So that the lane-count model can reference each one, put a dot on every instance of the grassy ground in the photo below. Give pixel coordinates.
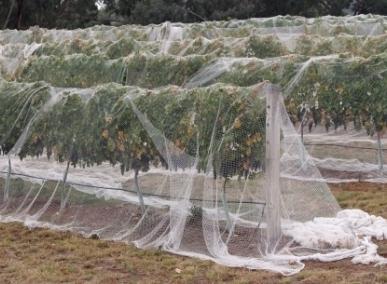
(43, 256)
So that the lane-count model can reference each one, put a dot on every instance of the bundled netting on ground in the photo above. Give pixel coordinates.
(204, 139)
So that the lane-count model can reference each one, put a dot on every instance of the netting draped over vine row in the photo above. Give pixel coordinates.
(182, 137)
(332, 71)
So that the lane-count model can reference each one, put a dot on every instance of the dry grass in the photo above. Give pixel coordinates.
(43, 256)
(370, 197)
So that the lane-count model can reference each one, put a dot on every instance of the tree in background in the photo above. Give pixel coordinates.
(22, 14)
(71, 14)
(369, 6)
(222, 9)
(315, 8)
(157, 11)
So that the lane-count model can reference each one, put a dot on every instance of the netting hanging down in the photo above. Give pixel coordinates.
(96, 140)
(216, 172)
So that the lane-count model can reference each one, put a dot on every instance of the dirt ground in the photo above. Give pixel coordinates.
(44, 256)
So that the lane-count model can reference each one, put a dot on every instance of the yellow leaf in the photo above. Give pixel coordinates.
(237, 123)
(108, 119)
(105, 134)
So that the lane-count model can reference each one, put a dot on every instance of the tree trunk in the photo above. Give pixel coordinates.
(64, 196)
(9, 14)
(19, 13)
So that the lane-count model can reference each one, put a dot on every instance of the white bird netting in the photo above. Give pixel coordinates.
(182, 137)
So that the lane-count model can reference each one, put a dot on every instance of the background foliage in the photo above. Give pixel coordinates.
(71, 14)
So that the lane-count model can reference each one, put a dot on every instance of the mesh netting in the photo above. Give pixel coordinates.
(205, 140)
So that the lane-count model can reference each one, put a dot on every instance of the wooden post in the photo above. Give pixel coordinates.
(7, 181)
(225, 206)
(380, 151)
(302, 139)
(302, 128)
(272, 173)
